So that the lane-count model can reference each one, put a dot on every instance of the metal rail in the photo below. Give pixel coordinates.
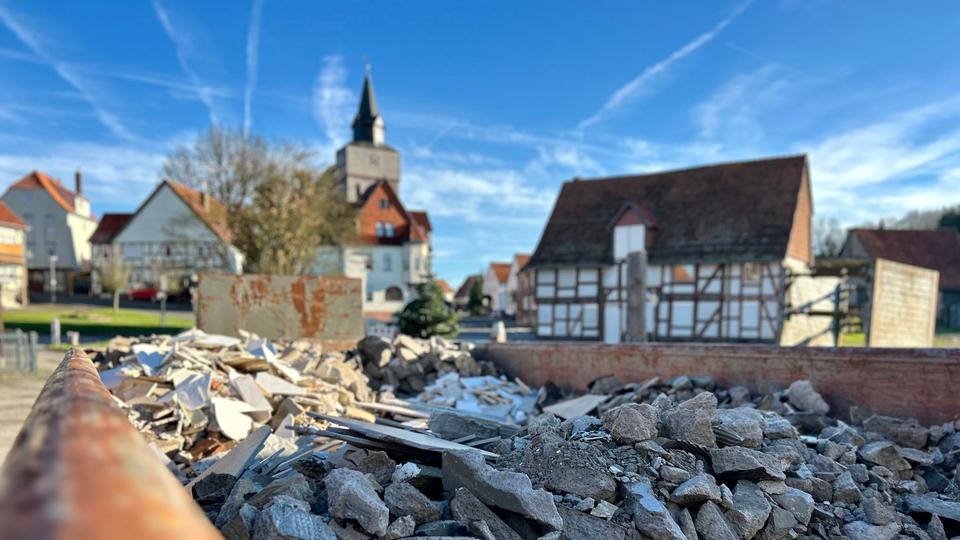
(79, 469)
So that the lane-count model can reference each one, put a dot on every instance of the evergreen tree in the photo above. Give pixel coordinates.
(475, 302)
(428, 314)
(950, 220)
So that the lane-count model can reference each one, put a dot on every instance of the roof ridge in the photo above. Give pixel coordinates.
(689, 169)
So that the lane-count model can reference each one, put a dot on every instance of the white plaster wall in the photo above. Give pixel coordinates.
(68, 237)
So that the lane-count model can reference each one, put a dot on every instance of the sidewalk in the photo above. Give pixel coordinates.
(18, 391)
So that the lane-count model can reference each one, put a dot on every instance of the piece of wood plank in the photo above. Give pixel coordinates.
(399, 436)
(580, 406)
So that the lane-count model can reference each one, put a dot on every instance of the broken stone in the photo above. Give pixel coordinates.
(286, 518)
(401, 528)
(711, 524)
(581, 526)
(738, 463)
(467, 508)
(698, 489)
(689, 528)
(454, 425)
(907, 433)
(375, 350)
(779, 525)
(749, 510)
(214, 488)
(405, 500)
(690, 421)
(351, 496)
(507, 490)
(802, 395)
(674, 475)
(747, 423)
(631, 423)
(604, 510)
(650, 516)
(930, 504)
(295, 486)
(799, 503)
(885, 454)
(877, 513)
(861, 530)
(845, 490)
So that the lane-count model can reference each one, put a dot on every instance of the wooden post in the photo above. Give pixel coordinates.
(636, 296)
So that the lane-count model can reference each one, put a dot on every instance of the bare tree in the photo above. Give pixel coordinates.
(280, 206)
(115, 276)
(828, 237)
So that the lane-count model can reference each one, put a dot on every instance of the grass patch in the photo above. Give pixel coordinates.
(856, 339)
(95, 320)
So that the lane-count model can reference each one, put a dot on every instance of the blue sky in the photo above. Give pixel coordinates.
(494, 104)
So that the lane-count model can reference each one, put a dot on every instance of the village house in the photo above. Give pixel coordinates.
(392, 252)
(175, 233)
(447, 290)
(462, 297)
(936, 250)
(59, 223)
(519, 298)
(726, 247)
(13, 259)
(495, 286)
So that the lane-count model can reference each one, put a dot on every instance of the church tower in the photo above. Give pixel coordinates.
(367, 158)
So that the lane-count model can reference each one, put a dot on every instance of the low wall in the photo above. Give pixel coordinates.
(327, 309)
(917, 383)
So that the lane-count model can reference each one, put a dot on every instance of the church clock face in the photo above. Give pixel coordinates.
(374, 160)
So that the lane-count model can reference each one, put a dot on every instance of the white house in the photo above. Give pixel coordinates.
(176, 232)
(59, 224)
(13, 261)
(723, 244)
(495, 286)
(515, 299)
(392, 252)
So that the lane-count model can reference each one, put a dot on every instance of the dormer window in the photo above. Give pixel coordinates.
(389, 230)
(380, 230)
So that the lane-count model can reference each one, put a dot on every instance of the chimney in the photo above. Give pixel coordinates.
(205, 201)
(78, 180)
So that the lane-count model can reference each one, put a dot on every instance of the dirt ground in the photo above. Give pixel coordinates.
(18, 391)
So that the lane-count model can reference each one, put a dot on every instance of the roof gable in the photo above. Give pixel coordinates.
(731, 211)
(9, 218)
(60, 193)
(109, 226)
(501, 271)
(464, 290)
(213, 217)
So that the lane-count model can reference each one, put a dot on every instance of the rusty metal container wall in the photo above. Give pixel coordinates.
(79, 470)
(328, 309)
(909, 383)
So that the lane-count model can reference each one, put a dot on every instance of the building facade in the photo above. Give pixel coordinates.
(176, 232)
(13, 258)
(722, 245)
(936, 250)
(519, 294)
(392, 252)
(495, 287)
(59, 224)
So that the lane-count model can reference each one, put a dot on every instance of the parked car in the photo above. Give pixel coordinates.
(142, 293)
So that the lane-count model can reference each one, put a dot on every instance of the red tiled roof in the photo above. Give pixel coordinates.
(109, 226)
(464, 290)
(521, 259)
(937, 250)
(10, 218)
(730, 211)
(501, 270)
(214, 216)
(60, 193)
(444, 286)
(422, 219)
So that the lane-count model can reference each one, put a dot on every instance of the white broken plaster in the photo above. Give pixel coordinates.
(250, 393)
(149, 357)
(275, 386)
(230, 418)
(405, 472)
(193, 388)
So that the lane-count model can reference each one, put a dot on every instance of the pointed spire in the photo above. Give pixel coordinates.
(367, 124)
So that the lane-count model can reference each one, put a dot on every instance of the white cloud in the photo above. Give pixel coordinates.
(38, 46)
(332, 102)
(640, 84)
(253, 50)
(184, 47)
(733, 109)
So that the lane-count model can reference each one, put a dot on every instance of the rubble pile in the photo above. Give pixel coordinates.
(678, 458)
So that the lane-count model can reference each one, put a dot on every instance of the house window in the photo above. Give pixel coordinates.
(393, 294)
(167, 250)
(389, 230)
(387, 262)
(380, 230)
(416, 263)
(384, 203)
(50, 226)
(751, 272)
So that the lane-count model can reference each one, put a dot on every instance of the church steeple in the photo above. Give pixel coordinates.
(368, 124)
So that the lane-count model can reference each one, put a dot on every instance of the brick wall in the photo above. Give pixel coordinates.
(372, 213)
(799, 245)
(918, 383)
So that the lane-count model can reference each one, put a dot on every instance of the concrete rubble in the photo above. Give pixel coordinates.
(419, 439)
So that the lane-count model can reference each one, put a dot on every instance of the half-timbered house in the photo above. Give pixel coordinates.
(722, 245)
